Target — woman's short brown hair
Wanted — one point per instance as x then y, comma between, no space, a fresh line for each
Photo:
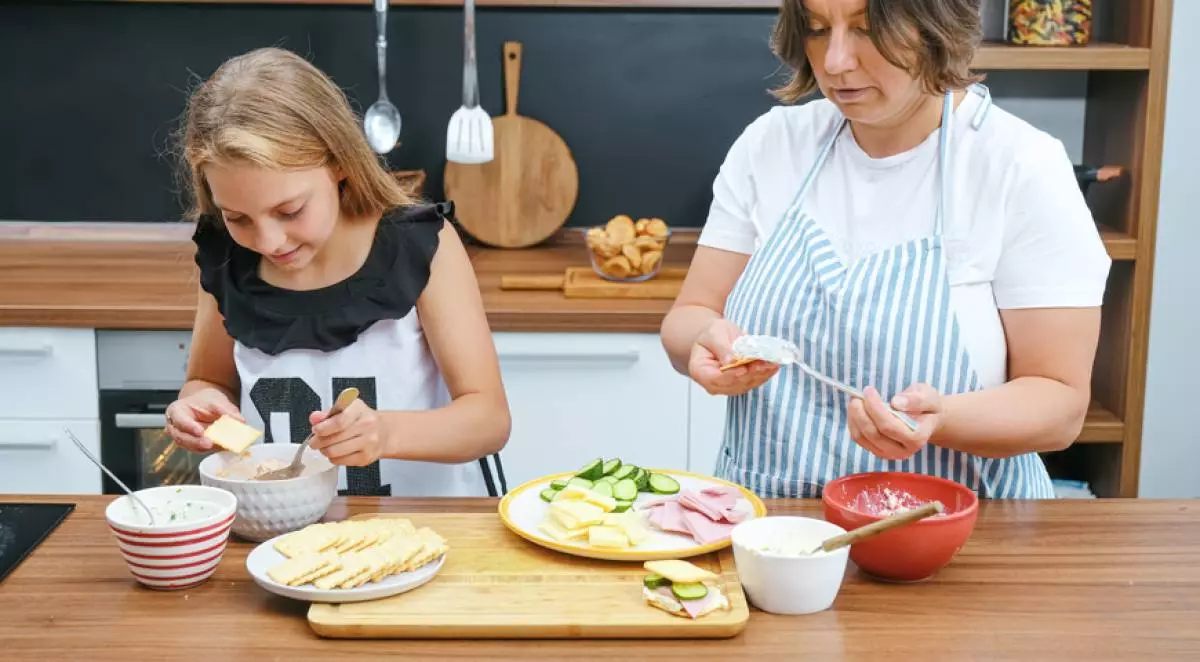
933,40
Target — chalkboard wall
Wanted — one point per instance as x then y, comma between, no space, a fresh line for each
648,101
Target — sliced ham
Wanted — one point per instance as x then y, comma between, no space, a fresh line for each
700,503
703,529
726,496
673,520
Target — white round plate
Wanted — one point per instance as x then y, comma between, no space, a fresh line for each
265,556
523,510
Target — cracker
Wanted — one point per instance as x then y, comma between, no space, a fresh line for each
352,567
232,434
301,566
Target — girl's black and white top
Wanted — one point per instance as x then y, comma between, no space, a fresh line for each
295,350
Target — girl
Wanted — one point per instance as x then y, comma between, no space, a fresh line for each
318,272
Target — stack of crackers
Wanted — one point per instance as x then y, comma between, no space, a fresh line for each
350,553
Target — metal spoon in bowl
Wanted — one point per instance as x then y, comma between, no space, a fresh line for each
95,461
875,528
382,121
292,470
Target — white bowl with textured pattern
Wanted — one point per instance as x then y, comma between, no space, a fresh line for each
266,509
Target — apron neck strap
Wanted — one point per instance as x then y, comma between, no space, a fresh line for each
943,163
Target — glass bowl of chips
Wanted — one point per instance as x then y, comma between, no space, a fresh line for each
628,251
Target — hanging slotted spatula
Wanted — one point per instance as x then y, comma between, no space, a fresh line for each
469,138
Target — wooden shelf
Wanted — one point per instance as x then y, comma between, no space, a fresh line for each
1101,427
1121,247
1096,56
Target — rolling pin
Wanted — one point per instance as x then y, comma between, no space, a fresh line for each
532,281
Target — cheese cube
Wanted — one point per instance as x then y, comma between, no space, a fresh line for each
231,434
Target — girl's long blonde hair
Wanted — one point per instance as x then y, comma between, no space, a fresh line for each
273,109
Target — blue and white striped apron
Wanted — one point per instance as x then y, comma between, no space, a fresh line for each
883,321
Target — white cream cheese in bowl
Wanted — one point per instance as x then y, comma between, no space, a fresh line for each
777,570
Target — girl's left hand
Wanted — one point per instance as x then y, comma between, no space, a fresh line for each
876,429
355,437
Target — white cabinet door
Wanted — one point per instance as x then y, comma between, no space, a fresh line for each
48,373
36,457
575,397
706,428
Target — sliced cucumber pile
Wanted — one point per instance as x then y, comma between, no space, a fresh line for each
616,479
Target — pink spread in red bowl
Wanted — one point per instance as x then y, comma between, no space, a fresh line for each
908,553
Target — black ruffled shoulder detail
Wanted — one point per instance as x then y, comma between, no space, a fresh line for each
274,320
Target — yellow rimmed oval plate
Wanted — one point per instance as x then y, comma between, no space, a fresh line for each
523,511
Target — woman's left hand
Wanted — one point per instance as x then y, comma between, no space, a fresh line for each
878,430
356,437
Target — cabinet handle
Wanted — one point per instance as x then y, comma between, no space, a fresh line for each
26,350
140,421
614,356
27,445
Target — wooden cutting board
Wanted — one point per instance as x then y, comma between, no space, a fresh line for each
584,283
496,585
527,191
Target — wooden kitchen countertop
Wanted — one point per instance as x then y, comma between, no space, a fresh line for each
142,276
1054,580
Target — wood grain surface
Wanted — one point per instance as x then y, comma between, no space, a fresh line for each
1055,580
526,192
497,585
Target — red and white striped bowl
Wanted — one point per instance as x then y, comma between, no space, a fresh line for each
187,540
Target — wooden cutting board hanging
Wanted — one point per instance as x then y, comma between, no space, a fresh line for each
525,194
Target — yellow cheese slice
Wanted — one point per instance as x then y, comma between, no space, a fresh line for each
607,536
572,493
586,513
232,434
604,503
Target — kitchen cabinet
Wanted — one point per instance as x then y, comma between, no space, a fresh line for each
706,428
48,383
37,457
578,396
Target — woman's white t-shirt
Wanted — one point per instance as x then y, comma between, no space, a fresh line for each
1018,231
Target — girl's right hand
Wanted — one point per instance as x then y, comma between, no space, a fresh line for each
713,349
188,417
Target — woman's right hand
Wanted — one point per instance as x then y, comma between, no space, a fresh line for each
713,349
188,417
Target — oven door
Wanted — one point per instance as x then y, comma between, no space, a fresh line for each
134,444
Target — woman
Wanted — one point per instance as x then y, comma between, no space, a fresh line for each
915,242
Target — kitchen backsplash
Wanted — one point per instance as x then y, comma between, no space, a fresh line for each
648,101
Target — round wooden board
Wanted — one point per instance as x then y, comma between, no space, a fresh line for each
526,192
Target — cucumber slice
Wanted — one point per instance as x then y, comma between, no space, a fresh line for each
625,490
607,479
622,506
642,480
558,484
611,466
685,591
663,484
582,482
548,495
653,581
603,488
626,471
592,470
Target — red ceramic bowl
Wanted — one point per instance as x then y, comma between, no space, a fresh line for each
908,553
